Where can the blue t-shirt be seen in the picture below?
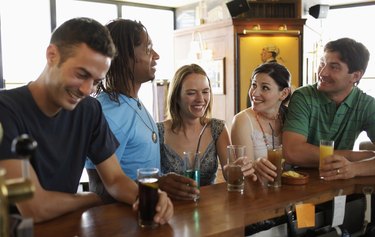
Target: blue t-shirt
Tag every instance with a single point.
(133, 127)
(64, 141)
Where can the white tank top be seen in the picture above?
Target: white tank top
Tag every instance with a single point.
(260, 148)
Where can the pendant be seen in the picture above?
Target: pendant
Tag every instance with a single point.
(139, 105)
(154, 137)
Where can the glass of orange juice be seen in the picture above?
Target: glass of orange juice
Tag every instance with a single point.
(325, 149)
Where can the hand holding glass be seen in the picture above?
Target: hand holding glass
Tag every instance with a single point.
(148, 196)
(192, 168)
(235, 178)
(275, 155)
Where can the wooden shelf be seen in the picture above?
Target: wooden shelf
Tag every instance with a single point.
(273, 9)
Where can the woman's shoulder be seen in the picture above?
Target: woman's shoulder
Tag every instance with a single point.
(245, 114)
(217, 121)
(244, 122)
(164, 125)
(217, 127)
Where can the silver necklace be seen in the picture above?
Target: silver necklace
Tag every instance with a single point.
(154, 137)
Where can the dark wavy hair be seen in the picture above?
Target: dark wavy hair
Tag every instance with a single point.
(126, 35)
(351, 52)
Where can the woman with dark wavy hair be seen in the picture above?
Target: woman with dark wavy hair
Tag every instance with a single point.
(254, 127)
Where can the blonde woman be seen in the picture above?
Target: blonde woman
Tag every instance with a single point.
(189, 106)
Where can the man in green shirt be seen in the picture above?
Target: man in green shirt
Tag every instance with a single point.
(333, 109)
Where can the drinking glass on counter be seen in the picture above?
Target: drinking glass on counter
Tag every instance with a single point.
(192, 167)
(326, 148)
(275, 155)
(148, 196)
(235, 178)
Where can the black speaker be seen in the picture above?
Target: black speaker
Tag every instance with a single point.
(319, 11)
(237, 7)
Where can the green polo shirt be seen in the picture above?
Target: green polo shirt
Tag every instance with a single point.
(315, 116)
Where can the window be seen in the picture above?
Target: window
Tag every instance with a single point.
(351, 22)
(67, 9)
(24, 36)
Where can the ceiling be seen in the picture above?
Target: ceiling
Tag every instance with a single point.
(179, 3)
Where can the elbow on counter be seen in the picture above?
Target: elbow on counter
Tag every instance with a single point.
(290, 156)
(38, 215)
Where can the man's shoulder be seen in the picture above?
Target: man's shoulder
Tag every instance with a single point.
(103, 98)
(88, 105)
(363, 94)
(120, 113)
(89, 101)
(306, 89)
(307, 93)
(108, 104)
(12, 92)
(362, 99)
(11, 97)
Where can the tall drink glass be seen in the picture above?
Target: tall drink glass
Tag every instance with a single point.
(326, 148)
(148, 196)
(192, 163)
(235, 178)
(275, 155)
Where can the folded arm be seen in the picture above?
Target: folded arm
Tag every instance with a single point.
(297, 151)
(356, 155)
(338, 167)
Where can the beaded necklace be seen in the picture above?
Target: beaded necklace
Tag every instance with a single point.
(269, 118)
(261, 128)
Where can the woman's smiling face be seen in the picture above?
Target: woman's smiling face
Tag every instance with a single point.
(195, 95)
(265, 94)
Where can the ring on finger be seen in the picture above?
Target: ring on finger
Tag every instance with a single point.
(338, 171)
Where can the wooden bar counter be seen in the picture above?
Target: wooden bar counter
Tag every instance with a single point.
(218, 212)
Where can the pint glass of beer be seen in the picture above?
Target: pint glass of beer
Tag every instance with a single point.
(148, 196)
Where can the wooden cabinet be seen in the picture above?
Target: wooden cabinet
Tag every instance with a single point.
(252, 35)
(274, 9)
